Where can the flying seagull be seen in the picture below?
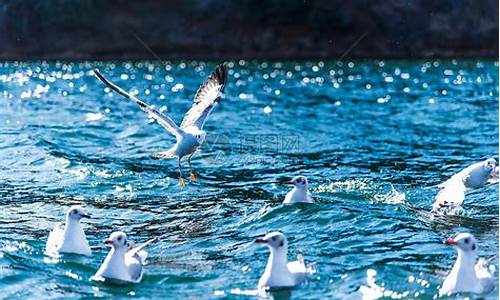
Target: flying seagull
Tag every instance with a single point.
(190, 135)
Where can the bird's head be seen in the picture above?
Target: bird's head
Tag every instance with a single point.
(200, 137)
(198, 134)
(299, 182)
(490, 164)
(274, 240)
(117, 240)
(76, 213)
(464, 241)
(494, 173)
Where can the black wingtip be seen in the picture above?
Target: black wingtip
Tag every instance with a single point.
(98, 74)
(221, 73)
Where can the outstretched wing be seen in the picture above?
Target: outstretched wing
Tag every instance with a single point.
(163, 120)
(138, 250)
(207, 96)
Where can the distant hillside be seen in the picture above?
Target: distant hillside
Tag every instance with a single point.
(95, 29)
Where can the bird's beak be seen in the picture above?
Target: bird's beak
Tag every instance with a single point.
(288, 182)
(450, 242)
(260, 241)
(86, 216)
(108, 242)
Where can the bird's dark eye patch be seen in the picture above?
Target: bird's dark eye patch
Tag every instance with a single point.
(273, 238)
(119, 238)
(282, 243)
(74, 212)
(473, 246)
(466, 241)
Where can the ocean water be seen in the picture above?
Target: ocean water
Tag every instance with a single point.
(373, 137)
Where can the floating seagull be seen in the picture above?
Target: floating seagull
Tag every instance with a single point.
(69, 238)
(478, 174)
(467, 275)
(279, 272)
(123, 262)
(190, 135)
(452, 193)
(299, 193)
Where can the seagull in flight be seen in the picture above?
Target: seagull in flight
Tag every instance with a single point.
(190, 134)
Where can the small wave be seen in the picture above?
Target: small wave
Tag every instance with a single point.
(392, 197)
(13, 246)
(93, 117)
(372, 290)
(343, 186)
(367, 189)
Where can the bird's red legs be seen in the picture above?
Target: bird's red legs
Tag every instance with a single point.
(182, 183)
(192, 176)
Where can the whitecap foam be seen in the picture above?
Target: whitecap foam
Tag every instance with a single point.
(372, 290)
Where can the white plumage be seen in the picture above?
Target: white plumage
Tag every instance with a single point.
(70, 237)
(452, 193)
(190, 135)
(300, 192)
(467, 275)
(123, 262)
(279, 272)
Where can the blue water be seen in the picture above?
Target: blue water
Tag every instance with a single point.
(373, 137)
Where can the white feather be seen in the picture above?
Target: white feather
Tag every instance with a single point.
(69, 238)
(452, 193)
(279, 272)
(124, 264)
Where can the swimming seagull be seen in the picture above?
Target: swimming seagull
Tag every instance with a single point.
(190, 135)
(452, 193)
(467, 275)
(69, 238)
(123, 262)
(279, 272)
(299, 192)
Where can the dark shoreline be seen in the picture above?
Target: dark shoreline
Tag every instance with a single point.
(235, 60)
(246, 29)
